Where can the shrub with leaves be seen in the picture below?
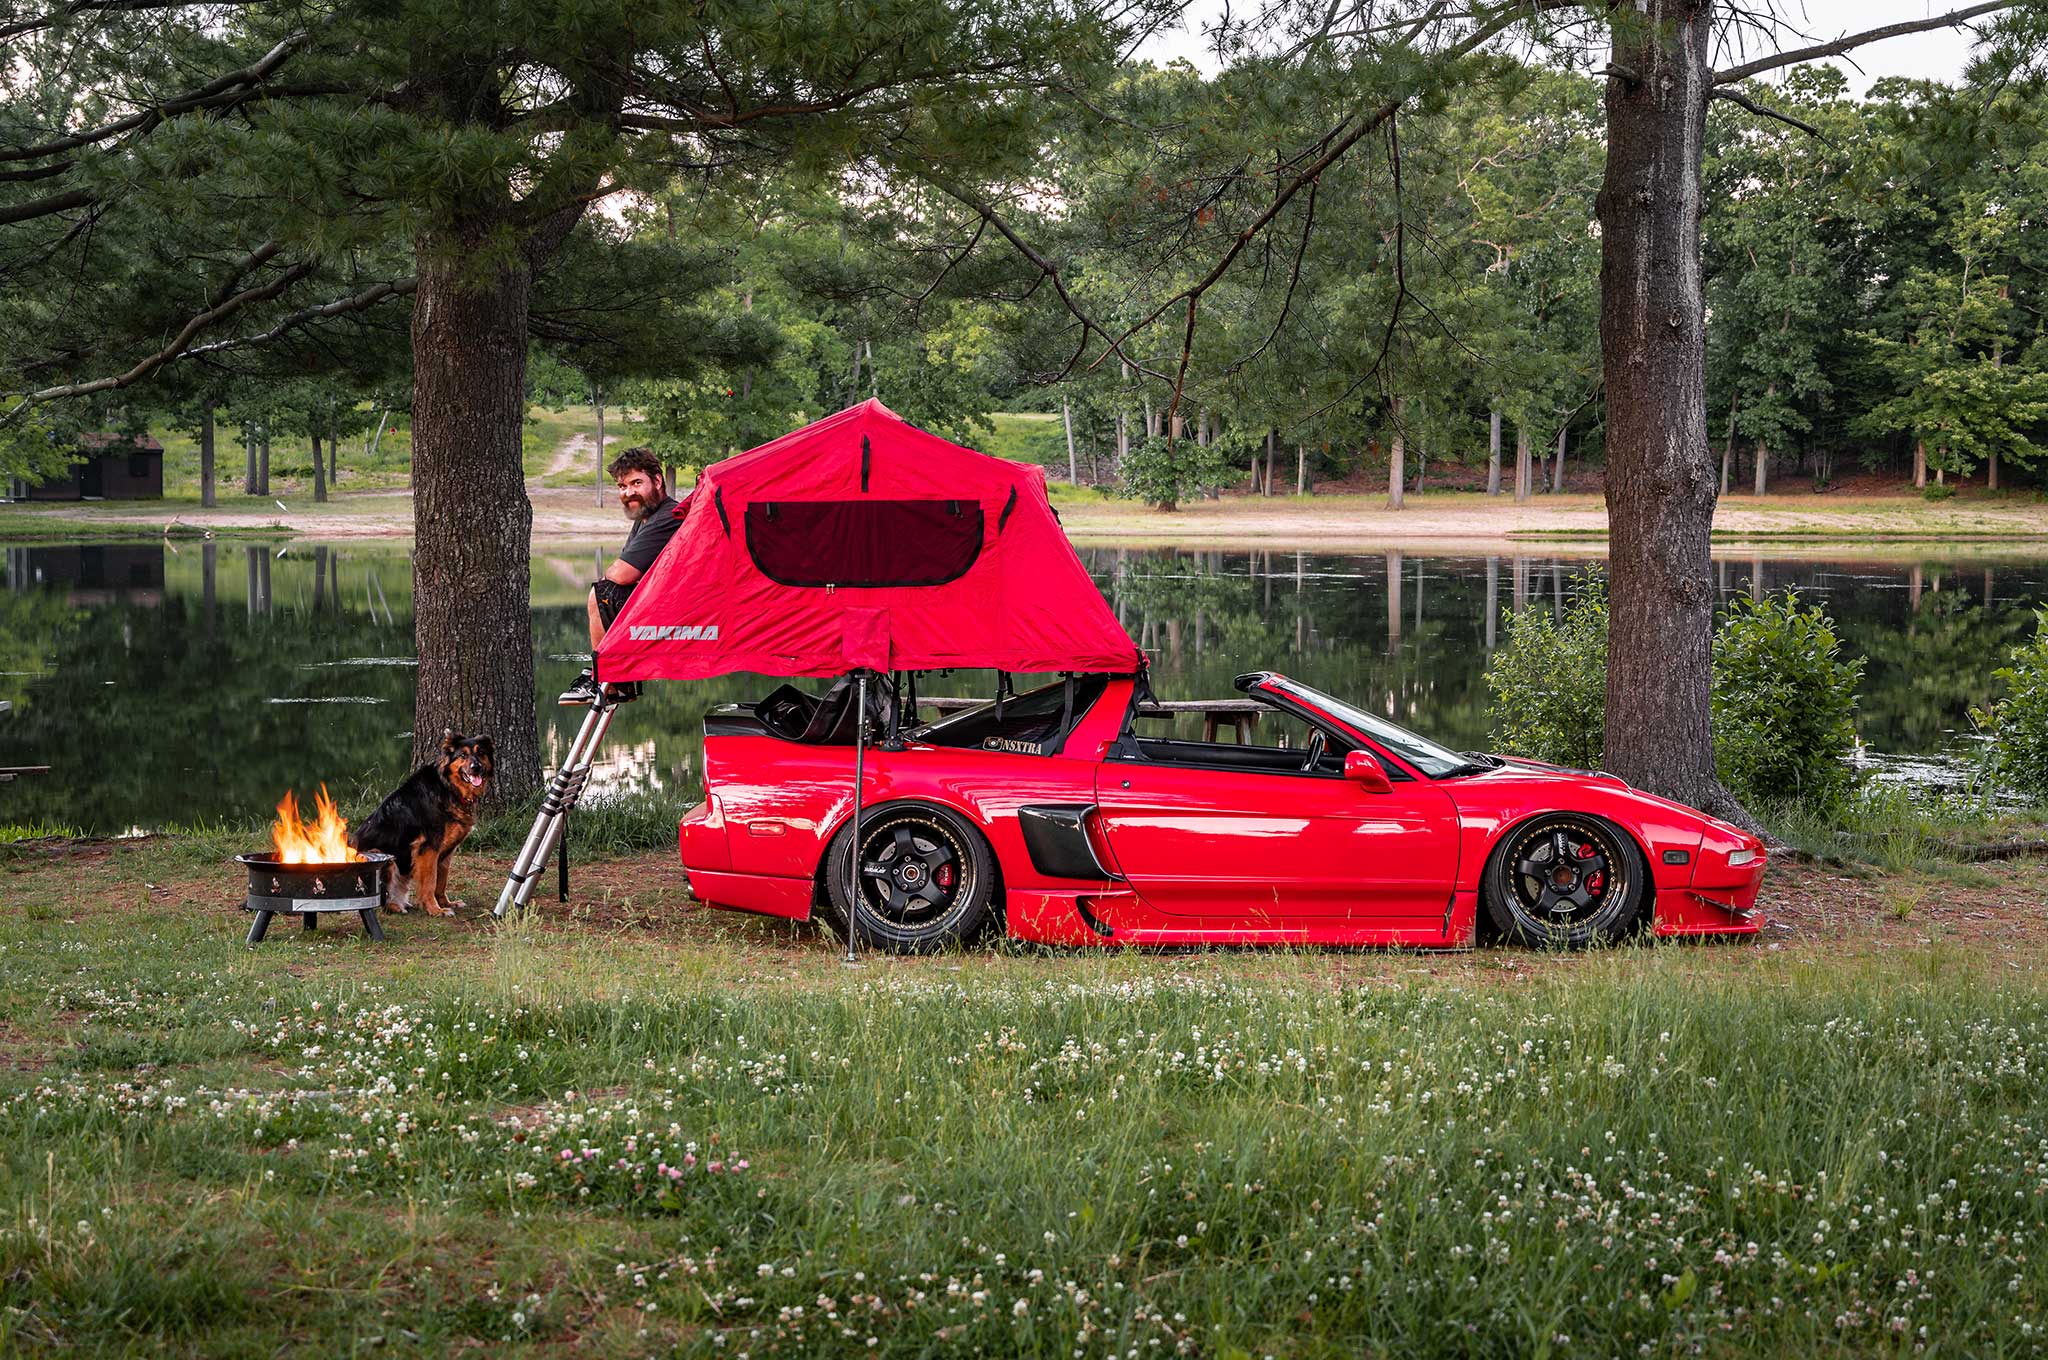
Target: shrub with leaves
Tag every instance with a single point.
(1784, 703)
(1549, 681)
(2018, 723)
(1165, 476)
(1784, 697)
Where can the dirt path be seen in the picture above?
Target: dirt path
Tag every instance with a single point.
(571, 454)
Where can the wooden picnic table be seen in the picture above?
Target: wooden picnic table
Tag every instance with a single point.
(1242, 715)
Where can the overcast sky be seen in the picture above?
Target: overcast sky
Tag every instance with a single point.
(1937, 55)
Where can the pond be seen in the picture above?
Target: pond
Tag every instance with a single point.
(183, 683)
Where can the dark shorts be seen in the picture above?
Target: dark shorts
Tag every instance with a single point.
(611, 598)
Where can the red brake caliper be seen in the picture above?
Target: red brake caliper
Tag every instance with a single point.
(1593, 880)
(944, 876)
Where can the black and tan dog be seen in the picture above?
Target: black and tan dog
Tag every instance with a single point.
(426, 818)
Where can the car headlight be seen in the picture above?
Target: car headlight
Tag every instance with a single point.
(1738, 858)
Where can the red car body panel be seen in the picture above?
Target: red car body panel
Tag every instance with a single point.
(1199, 855)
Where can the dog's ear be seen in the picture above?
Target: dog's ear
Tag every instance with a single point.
(484, 748)
(448, 740)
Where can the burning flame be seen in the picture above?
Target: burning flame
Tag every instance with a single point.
(324, 840)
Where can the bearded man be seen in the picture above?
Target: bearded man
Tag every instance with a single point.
(643, 495)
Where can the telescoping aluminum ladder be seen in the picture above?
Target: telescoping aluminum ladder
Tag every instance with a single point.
(565, 790)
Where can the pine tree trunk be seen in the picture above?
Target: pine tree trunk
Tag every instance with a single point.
(1728, 444)
(472, 520)
(319, 471)
(1919, 464)
(597, 397)
(1397, 471)
(1660, 471)
(1073, 461)
(207, 499)
(1557, 472)
(333, 456)
(1493, 454)
(1523, 475)
(263, 462)
(1301, 469)
(249, 453)
(1272, 442)
(1763, 466)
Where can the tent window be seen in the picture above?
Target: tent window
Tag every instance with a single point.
(864, 543)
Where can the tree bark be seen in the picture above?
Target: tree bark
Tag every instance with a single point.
(1493, 455)
(249, 454)
(1660, 472)
(333, 455)
(1301, 469)
(263, 461)
(1919, 464)
(1557, 472)
(472, 520)
(1763, 466)
(319, 470)
(1523, 475)
(206, 494)
(1073, 461)
(1272, 442)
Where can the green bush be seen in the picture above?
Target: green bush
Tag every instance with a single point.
(1157, 475)
(2018, 723)
(1937, 491)
(1784, 703)
(1549, 682)
(1784, 698)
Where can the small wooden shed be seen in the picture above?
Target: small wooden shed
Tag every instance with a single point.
(116, 467)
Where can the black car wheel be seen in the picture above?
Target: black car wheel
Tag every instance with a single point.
(1565, 880)
(926, 879)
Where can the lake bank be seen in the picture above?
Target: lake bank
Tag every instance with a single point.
(1454, 520)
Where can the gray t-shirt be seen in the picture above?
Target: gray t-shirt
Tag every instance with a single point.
(650, 535)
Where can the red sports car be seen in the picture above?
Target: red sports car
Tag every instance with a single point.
(1059, 816)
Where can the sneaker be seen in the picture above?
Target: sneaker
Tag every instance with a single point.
(584, 691)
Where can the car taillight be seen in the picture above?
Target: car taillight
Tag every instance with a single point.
(1737, 858)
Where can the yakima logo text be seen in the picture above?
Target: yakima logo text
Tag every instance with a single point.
(674, 632)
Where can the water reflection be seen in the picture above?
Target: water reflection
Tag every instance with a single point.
(193, 682)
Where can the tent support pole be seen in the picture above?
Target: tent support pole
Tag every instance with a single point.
(860, 750)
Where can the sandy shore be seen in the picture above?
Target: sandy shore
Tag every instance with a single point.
(1452, 521)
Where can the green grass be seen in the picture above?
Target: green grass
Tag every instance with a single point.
(456, 1140)
(1895, 829)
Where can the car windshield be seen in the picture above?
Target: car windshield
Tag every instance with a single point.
(1425, 755)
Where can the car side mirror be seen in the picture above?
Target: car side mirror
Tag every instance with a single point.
(1361, 769)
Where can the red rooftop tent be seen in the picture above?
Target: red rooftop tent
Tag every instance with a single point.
(861, 541)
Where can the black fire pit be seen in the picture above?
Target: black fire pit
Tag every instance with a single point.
(307, 890)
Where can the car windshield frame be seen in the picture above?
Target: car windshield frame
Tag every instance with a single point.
(1432, 760)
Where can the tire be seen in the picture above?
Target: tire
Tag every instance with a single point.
(1531, 900)
(930, 879)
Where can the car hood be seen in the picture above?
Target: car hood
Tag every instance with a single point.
(1520, 769)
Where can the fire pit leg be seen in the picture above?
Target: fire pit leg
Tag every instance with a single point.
(311, 919)
(371, 924)
(258, 926)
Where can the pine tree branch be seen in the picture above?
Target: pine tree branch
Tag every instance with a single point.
(1765, 111)
(225, 304)
(357, 302)
(1855, 40)
(43, 207)
(78, 7)
(226, 89)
